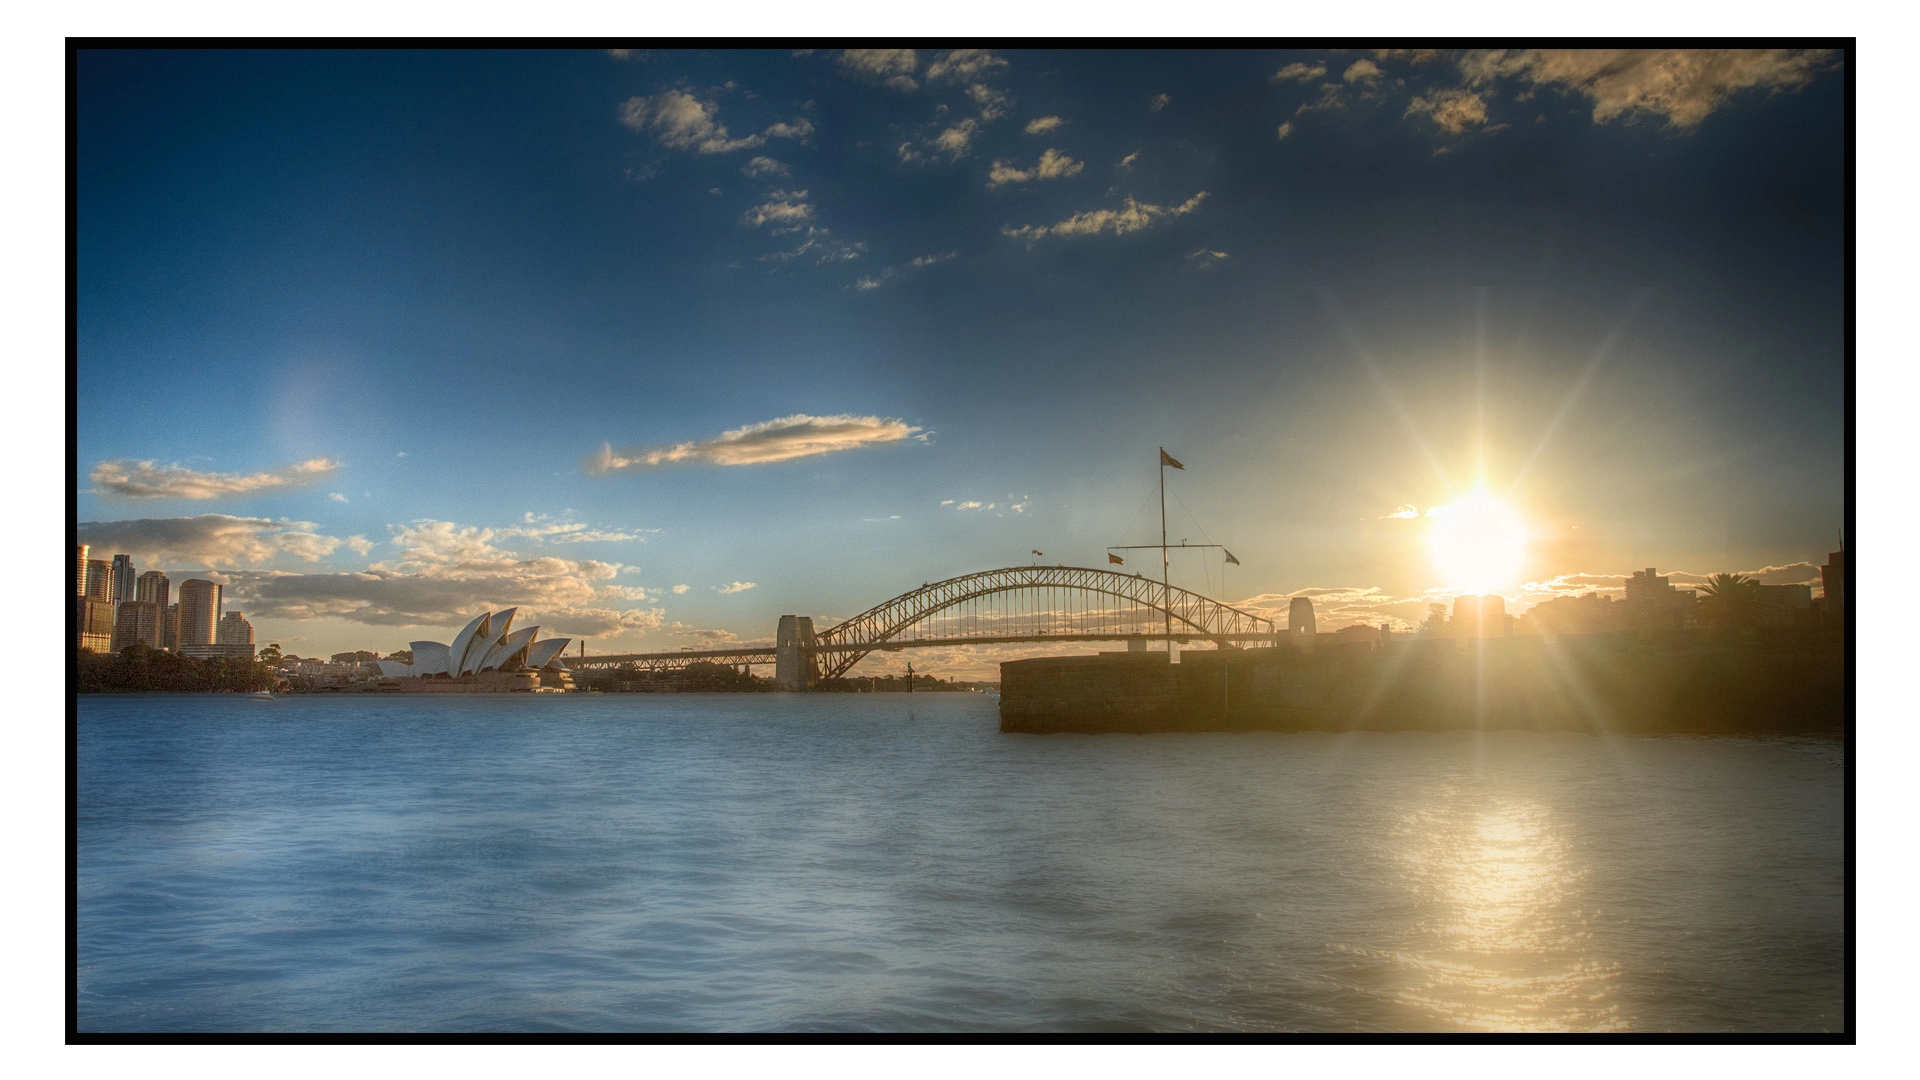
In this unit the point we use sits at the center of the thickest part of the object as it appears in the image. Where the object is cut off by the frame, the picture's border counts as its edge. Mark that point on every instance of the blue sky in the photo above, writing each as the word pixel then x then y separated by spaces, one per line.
pixel 359 332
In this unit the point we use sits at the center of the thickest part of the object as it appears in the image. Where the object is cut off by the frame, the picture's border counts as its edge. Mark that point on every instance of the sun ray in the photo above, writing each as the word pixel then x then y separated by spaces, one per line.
pixel 1600 355
pixel 1339 317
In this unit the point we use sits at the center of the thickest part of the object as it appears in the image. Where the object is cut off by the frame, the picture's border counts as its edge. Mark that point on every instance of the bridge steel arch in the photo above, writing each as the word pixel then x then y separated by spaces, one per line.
pixel 845 644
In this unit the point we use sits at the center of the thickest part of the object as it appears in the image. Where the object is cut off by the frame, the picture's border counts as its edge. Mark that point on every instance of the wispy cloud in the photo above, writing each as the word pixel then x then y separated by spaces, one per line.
pixel 736 587
pixel 336 496
pixel 1158 102
pixel 1298 72
pixel 890 67
pixel 950 144
pixel 1042 124
pixel 964 65
pixel 542 528
pixel 1132 217
pixel 1453 110
pixel 1361 70
pixel 1285 129
pixel 681 121
pixel 443 574
pixel 1204 258
pixel 784 439
pixel 681 590
pixel 1053 165
pixel 1684 86
pixel 764 166
pixel 148 480
pixel 889 273
pixel 213 540
pixel 782 208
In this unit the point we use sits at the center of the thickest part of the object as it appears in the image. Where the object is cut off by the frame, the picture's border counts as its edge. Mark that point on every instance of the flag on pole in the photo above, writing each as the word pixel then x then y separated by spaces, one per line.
pixel 1115 559
pixel 1230 557
pixel 1167 459
pixel 1038 554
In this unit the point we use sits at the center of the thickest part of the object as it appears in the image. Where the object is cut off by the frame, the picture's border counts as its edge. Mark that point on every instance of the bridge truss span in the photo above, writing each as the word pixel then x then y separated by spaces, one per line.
pixel 1034 603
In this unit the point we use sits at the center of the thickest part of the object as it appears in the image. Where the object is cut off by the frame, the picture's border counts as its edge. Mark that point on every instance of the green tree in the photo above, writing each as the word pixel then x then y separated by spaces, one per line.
pixel 270 654
pixel 1729 600
pixel 1436 621
pixel 404 656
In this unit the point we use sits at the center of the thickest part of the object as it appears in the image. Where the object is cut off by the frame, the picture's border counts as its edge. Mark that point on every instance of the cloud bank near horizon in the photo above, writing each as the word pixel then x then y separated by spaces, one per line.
pixel 782 439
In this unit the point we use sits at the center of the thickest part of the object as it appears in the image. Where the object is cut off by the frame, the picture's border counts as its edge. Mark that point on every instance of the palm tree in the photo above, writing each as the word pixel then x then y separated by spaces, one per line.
pixel 1729 600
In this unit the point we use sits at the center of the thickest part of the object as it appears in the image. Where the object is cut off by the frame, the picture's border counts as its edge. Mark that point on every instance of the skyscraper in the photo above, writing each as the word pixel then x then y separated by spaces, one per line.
pixel 123 579
pixel 234 629
pixel 99 580
pixel 93 623
pixel 1833 587
pixel 137 620
pixel 80 570
pixel 199 612
pixel 154 588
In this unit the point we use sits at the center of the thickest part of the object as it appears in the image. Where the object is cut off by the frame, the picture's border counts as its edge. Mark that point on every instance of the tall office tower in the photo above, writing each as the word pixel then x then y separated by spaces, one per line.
pixel 99 580
pixel 234 629
pixel 170 628
pixel 94 623
pixel 137 620
pixel 1833 586
pixel 80 570
pixel 199 612
pixel 1300 616
pixel 154 588
pixel 123 579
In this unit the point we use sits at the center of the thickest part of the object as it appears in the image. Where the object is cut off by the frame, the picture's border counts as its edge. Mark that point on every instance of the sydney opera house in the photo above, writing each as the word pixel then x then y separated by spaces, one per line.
pixel 485 645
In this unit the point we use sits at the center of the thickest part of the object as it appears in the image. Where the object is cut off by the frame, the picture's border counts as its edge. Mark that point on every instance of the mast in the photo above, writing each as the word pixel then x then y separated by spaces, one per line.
pixel 1166 590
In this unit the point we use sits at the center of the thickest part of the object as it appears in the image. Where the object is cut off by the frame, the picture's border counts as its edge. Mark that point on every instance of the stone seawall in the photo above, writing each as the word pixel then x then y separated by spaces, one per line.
pixel 1599 683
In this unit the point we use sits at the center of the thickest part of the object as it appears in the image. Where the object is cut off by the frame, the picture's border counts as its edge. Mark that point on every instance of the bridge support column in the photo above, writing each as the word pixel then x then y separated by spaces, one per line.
pixel 793 653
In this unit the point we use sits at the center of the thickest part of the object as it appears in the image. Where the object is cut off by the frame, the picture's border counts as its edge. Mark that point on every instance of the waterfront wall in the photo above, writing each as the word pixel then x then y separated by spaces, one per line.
pixel 1616 683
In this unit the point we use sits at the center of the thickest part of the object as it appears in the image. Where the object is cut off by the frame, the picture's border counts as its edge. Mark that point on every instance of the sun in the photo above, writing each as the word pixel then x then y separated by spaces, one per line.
pixel 1479 544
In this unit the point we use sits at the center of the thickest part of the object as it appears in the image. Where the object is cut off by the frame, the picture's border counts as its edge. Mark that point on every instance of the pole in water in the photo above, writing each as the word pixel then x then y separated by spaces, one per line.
pixel 909 689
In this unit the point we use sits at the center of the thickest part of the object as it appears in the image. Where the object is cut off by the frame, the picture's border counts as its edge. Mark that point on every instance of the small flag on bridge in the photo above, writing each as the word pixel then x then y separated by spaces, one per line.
pixel 1115 559
pixel 1230 557
pixel 1167 459
pixel 1039 554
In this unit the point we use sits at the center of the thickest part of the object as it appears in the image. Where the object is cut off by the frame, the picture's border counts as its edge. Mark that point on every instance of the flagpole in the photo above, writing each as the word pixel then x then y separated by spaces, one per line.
pixel 1166 589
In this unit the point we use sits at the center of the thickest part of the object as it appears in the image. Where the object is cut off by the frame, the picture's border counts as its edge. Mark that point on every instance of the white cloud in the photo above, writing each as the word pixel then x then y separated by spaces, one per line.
pixel 736 587
pixel 1043 124
pixel 1362 70
pixel 1127 162
pixel 681 590
pixel 1207 258
pixel 210 540
pixel 946 502
pixel 1405 510
pixel 782 439
pixel 540 528
pixel 962 65
pixel 1286 129
pixel 817 245
pixel 1159 101
pixel 1329 99
pixel 1682 85
pixel 950 144
pixel 1298 72
pixel 683 122
pixel 972 504
pixel 336 496
pixel 1132 217
pixel 357 544
pixel 800 130
pixel 764 166
pixel 787 208
pixel 148 480
pixel 1053 165
pixel 1453 109
pixel 991 102
pixel 891 67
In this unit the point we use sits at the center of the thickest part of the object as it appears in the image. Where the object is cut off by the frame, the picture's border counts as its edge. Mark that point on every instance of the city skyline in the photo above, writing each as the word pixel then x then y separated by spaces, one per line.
pixel 693 340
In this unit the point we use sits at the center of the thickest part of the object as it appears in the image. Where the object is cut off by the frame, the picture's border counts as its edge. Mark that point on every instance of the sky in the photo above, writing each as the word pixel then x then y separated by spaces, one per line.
pixel 659 346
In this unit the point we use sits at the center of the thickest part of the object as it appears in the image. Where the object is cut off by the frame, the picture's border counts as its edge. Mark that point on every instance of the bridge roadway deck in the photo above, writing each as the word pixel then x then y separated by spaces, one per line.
pixel 668 661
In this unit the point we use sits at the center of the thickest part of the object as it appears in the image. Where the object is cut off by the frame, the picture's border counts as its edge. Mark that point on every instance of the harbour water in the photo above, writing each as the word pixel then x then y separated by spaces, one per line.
pixel 824 863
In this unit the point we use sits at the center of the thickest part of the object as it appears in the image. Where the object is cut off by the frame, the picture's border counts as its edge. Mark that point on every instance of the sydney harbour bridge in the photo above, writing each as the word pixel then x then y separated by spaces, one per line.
pixel 1063 605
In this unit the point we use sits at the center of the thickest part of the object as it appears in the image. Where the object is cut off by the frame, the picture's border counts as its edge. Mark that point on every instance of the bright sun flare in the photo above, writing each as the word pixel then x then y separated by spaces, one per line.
pixel 1478 544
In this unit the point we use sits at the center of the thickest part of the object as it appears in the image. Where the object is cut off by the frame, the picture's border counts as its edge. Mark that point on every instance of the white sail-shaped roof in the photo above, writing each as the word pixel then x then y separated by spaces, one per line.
pixel 394 669
pixel 509 645
pixel 463 644
pixel 540 653
pixel 430 658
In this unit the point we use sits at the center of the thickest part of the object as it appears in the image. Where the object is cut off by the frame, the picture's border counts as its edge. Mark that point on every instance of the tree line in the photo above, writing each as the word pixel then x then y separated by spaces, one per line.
pixel 141 669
